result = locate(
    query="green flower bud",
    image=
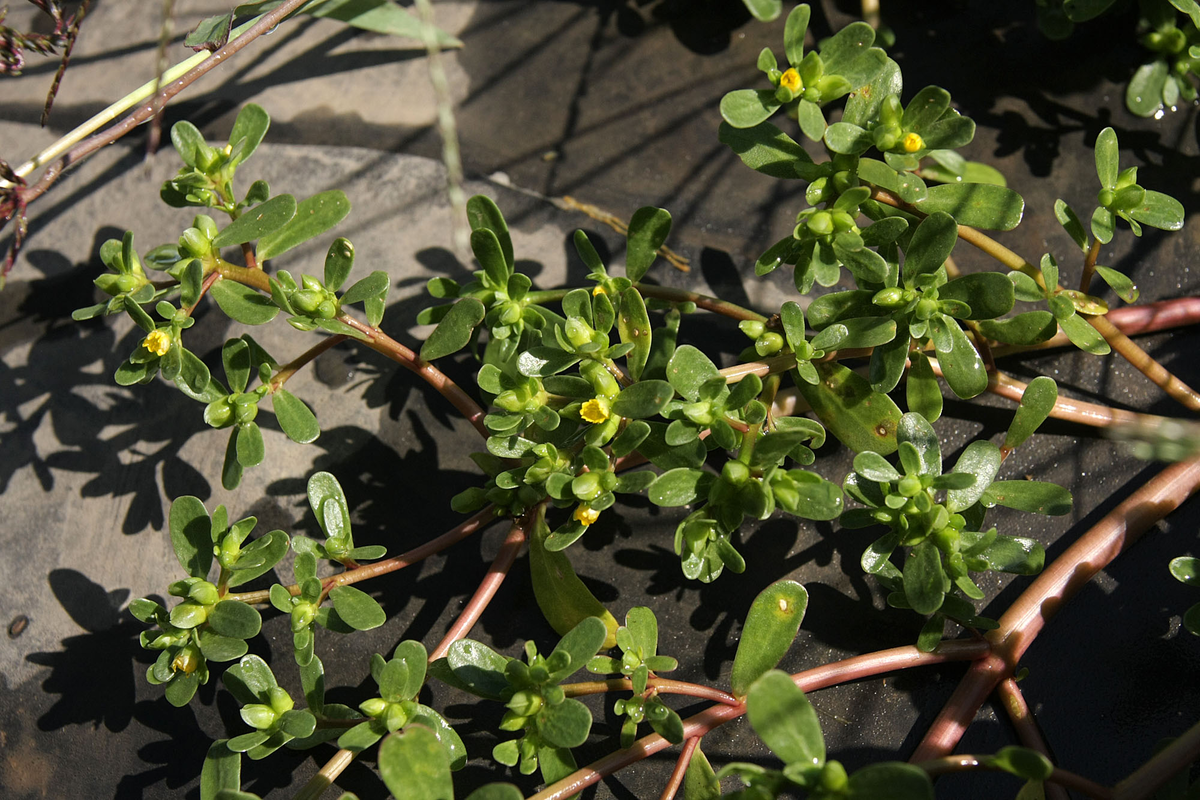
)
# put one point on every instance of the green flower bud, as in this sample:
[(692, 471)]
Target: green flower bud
[(843, 221), (327, 310), (204, 593), (578, 332), (281, 701), (205, 224), (303, 614), (195, 243), (586, 486), (833, 777), (258, 716), (752, 328), (909, 485), (245, 412), (373, 707), (890, 298), (820, 223), (768, 344), (127, 283), (816, 191), (306, 302), (735, 472), (395, 717), (525, 702), (1106, 197)]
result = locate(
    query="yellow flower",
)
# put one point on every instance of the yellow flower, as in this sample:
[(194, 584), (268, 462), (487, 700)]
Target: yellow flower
[(158, 342), (598, 290), (790, 80), (186, 662), (586, 514), (912, 142), (594, 410)]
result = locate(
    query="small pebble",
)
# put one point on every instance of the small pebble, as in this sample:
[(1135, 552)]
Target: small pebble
[(17, 626)]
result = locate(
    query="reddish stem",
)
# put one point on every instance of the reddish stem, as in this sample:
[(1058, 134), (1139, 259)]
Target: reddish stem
[(1027, 728), (453, 536), (1059, 582), (487, 589), (661, 685), (1145, 781), (699, 724), (681, 768), (147, 110), (1058, 779)]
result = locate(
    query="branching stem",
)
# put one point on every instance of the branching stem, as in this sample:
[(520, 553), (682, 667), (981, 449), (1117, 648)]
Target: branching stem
[(517, 535), (1022, 719), (662, 685), (432, 547), (1058, 779)]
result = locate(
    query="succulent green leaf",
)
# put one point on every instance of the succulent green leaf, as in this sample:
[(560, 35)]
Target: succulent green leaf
[(894, 780), (474, 667), (842, 137), (295, 418), (1036, 404), (188, 141), (962, 366), (378, 16), (314, 216), (680, 487), (248, 131), (216, 647), (931, 245), (1120, 283), (647, 231), (454, 332), (231, 470), (785, 720), (1029, 328), (861, 418), (235, 619), (926, 107), (1015, 554), (257, 222), (849, 53), (1144, 92), (700, 781), (923, 393), (258, 558), (981, 205), (1107, 158), (1103, 224), (868, 94), (565, 600), (689, 369), (1186, 569), (541, 362), (745, 108), (766, 149), (1071, 223), (793, 33), (1022, 762), (811, 120), (222, 771), (357, 608), (250, 450), (633, 325), (243, 304), (1159, 210), (771, 626), (1083, 335), (989, 294), (191, 535), (484, 214), (1038, 497), (565, 724), (916, 430), (415, 766), (643, 399), (981, 459), (924, 579), (373, 285)]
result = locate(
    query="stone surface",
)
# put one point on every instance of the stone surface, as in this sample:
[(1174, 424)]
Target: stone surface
[(564, 99)]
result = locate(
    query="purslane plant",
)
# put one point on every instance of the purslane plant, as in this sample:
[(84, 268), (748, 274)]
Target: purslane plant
[(578, 388)]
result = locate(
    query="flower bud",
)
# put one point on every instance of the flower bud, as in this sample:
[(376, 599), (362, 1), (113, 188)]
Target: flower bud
[(205, 224), (586, 486), (373, 707), (752, 328), (820, 223), (258, 716), (768, 344)]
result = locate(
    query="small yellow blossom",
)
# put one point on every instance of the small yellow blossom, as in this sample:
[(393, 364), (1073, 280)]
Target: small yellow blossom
[(158, 342), (594, 410), (186, 662), (790, 80), (598, 290), (912, 142), (586, 515)]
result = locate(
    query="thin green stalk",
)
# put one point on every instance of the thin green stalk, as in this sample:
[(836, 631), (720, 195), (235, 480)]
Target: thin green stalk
[(1089, 266), (325, 777), (81, 149), (447, 129)]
